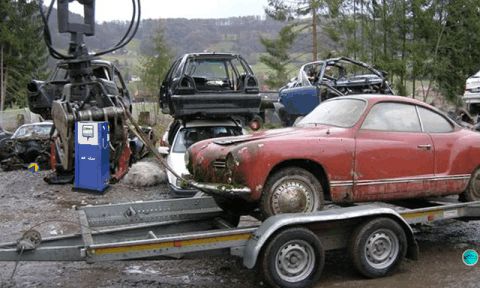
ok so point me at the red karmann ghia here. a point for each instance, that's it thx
(349, 149)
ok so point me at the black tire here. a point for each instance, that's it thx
(293, 258)
(472, 193)
(307, 198)
(380, 238)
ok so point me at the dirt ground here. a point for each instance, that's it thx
(26, 200)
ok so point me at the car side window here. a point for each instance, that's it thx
(389, 116)
(433, 122)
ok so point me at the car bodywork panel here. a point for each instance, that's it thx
(29, 146)
(209, 85)
(321, 80)
(247, 161)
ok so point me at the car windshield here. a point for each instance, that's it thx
(33, 130)
(188, 136)
(338, 112)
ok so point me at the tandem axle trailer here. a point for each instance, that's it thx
(289, 249)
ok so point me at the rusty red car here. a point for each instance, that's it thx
(349, 149)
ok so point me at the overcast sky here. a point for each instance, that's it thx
(107, 10)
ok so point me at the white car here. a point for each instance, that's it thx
(471, 97)
(180, 136)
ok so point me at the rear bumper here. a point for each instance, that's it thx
(224, 190)
(470, 97)
(220, 104)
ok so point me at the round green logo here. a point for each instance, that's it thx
(470, 257)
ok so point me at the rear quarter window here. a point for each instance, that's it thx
(433, 122)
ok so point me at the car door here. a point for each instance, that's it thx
(394, 159)
(452, 165)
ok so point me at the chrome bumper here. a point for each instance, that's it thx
(222, 189)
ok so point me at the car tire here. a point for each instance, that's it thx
(377, 247)
(292, 258)
(472, 193)
(305, 193)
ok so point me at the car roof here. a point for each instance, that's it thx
(211, 55)
(209, 123)
(373, 98)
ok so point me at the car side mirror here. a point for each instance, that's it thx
(164, 150)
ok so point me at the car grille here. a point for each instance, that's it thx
(220, 164)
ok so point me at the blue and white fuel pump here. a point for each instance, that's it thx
(92, 156)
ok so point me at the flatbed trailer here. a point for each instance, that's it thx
(288, 249)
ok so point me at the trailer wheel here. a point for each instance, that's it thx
(293, 258)
(377, 247)
(472, 193)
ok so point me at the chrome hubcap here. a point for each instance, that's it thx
(476, 185)
(382, 249)
(292, 196)
(295, 261)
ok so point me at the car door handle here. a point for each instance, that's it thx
(424, 146)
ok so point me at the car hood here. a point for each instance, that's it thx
(304, 131)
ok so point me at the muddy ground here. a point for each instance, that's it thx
(26, 200)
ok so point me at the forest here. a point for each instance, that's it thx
(428, 43)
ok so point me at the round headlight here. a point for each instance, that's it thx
(230, 162)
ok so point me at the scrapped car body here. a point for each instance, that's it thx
(210, 84)
(349, 149)
(29, 144)
(41, 94)
(471, 97)
(184, 135)
(321, 80)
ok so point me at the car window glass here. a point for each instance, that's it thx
(61, 74)
(188, 136)
(338, 112)
(207, 68)
(433, 122)
(392, 117)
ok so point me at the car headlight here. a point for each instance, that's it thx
(186, 158)
(230, 162)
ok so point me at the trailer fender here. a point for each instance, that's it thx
(278, 222)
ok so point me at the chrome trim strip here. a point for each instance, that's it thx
(398, 180)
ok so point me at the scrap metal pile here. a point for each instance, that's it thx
(83, 88)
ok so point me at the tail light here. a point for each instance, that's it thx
(255, 124)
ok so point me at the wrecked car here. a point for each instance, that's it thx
(349, 149)
(183, 135)
(321, 80)
(209, 85)
(41, 94)
(29, 144)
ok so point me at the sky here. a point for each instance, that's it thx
(108, 10)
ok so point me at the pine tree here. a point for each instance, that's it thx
(21, 49)
(154, 68)
(278, 57)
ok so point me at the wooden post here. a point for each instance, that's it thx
(2, 97)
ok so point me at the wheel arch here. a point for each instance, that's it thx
(317, 170)
(277, 223)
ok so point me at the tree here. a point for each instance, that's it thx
(278, 56)
(155, 67)
(305, 14)
(22, 53)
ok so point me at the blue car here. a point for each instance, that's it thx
(321, 80)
